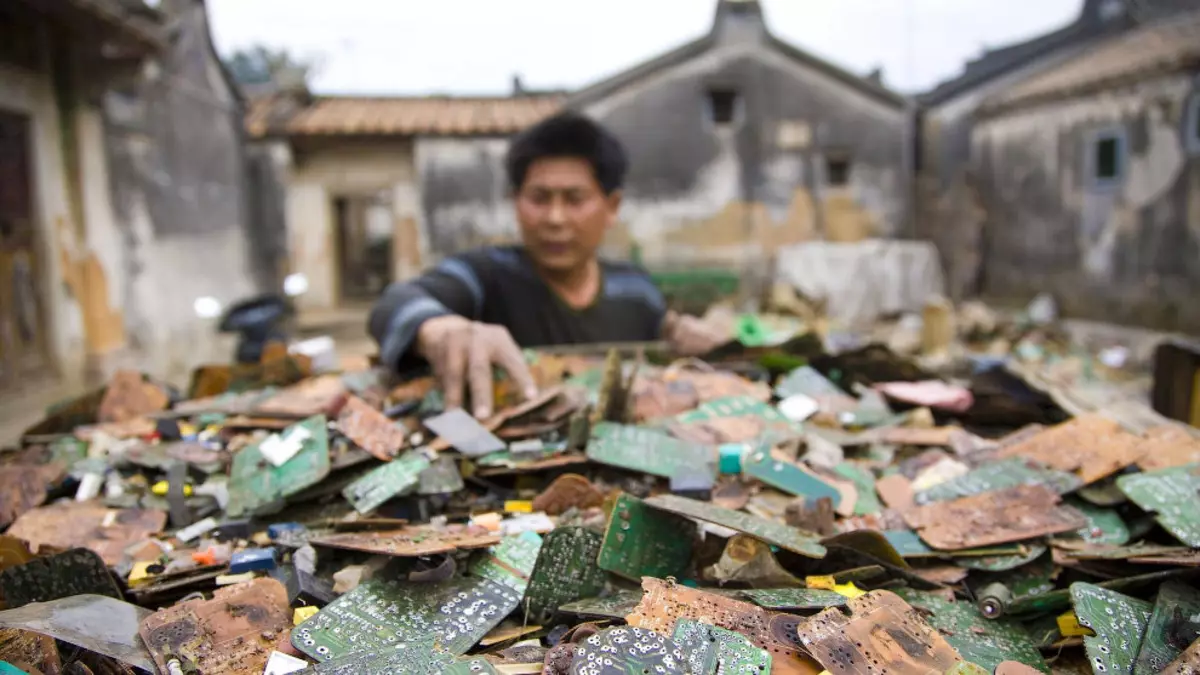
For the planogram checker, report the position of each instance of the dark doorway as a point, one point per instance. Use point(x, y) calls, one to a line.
point(365, 233)
point(22, 329)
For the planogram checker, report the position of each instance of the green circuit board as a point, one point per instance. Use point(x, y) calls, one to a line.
point(1176, 600)
point(1000, 475)
point(1002, 563)
point(616, 606)
point(778, 534)
point(628, 650)
point(864, 483)
point(648, 451)
point(379, 614)
point(644, 542)
point(979, 640)
point(1119, 622)
point(1173, 495)
point(510, 562)
point(788, 477)
point(793, 598)
point(565, 570)
point(382, 483)
point(441, 477)
point(254, 482)
point(1105, 525)
point(710, 650)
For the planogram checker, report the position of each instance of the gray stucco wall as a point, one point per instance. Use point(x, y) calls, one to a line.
point(1123, 250)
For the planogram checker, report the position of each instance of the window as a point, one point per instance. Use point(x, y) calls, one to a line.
point(1191, 119)
point(837, 170)
point(722, 106)
point(1106, 160)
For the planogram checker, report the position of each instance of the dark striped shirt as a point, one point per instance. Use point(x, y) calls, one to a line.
point(500, 286)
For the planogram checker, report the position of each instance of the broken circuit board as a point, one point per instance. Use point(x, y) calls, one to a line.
point(648, 451)
point(1118, 622)
point(511, 561)
point(997, 517)
point(73, 572)
point(255, 483)
point(1172, 627)
point(379, 614)
point(709, 650)
point(382, 483)
point(778, 534)
point(1173, 495)
point(999, 475)
point(642, 541)
point(628, 650)
point(982, 641)
point(566, 570)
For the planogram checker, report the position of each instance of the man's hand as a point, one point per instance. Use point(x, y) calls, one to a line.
point(690, 336)
point(459, 349)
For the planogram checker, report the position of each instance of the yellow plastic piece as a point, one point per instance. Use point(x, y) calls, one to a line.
point(302, 614)
point(1068, 625)
point(849, 590)
point(160, 489)
point(140, 572)
point(826, 583)
point(513, 506)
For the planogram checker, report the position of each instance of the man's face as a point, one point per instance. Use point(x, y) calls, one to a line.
point(563, 213)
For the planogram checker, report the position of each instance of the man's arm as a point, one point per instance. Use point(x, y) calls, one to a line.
point(454, 287)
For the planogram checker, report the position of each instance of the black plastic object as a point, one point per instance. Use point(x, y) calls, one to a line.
point(1176, 392)
point(258, 321)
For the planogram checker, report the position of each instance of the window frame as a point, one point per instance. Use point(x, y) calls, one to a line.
point(737, 106)
point(1092, 162)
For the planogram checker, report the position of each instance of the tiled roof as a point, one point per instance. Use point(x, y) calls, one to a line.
point(397, 116)
point(1168, 45)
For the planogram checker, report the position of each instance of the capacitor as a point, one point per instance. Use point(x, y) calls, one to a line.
point(993, 600)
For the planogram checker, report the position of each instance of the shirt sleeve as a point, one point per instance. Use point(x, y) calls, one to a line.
point(634, 285)
point(454, 286)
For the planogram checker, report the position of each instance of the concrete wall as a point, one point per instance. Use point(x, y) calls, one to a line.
point(465, 200)
point(321, 170)
point(699, 192)
point(1125, 251)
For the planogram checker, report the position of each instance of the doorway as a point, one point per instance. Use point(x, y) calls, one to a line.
point(365, 234)
point(22, 309)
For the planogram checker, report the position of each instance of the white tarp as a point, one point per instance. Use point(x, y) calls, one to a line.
point(865, 280)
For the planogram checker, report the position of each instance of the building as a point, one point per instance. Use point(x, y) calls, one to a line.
point(1088, 179)
point(122, 183)
point(740, 143)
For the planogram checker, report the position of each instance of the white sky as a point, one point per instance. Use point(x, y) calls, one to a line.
point(475, 46)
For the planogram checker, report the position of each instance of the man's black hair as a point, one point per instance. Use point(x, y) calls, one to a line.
point(569, 134)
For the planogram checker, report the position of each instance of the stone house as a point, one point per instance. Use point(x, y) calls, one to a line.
point(1088, 177)
point(740, 144)
point(122, 193)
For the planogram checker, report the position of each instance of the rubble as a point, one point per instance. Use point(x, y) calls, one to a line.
point(997, 503)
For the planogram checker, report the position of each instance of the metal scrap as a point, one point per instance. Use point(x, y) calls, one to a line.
point(1091, 446)
point(370, 429)
point(409, 542)
point(106, 531)
point(129, 396)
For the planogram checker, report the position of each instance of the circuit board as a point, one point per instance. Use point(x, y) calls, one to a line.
point(234, 632)
point(852, 643)
point(74, 572)
point(415, 657)
point(908, 544)
point(510, 562)
point(615, 606)
point(1176, 601)
point(637, 449)
point(788, 477)
point(709, 650)
point(1172, 494)
point(1001, 563)
point(379, 614)
point(641, 541)
point(254, 482)
point(999, 475)
point(807, 381)
point(864, 482)
point(382, 483)
point(763, 423)
point(370, 429)
point(1119, 623)
point(628, 650)
point(565, 570)
point(441, 477)
point(996, 517)
point(778, 534)
point(410, 542)
point(1104, 525)
point(793, 598)
point(983, 641)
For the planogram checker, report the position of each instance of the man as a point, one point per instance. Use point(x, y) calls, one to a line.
point(476, 310)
